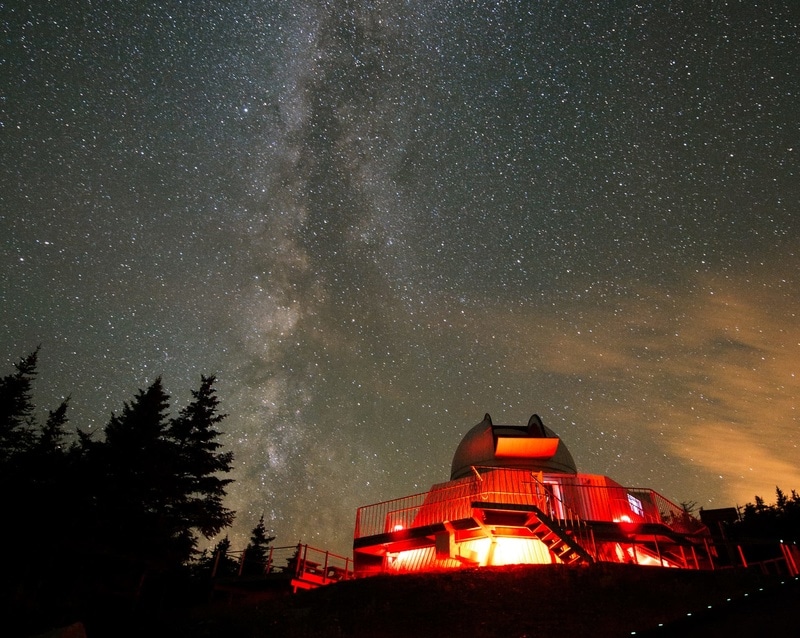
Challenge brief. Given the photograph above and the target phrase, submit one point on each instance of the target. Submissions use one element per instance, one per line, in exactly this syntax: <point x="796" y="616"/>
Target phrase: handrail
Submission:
<point x="298" y="561"/>
<point x="575" y="506"/>
<point x="569" y="520"/>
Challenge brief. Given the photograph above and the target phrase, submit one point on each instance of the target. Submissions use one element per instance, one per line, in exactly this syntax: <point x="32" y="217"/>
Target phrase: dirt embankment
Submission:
<point x="514" y="602"/>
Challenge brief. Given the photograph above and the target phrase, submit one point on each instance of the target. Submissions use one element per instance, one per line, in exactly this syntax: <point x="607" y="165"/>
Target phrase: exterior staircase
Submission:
<point x="560" y="541"/>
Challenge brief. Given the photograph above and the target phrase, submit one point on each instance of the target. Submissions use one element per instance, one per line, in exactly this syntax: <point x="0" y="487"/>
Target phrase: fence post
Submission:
<point x="708" y="553"/>
<point x="741" y="555"/>
<point x="268" y="565"/>
<point x="790" y="563"/>
<point x="305" y="557"/>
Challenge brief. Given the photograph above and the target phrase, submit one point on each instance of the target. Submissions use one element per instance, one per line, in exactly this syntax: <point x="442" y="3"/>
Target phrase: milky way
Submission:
<point x="377" y="221"/>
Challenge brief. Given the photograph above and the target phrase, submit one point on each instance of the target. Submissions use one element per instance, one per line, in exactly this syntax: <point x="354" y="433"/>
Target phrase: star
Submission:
<point x="376" y="223"/>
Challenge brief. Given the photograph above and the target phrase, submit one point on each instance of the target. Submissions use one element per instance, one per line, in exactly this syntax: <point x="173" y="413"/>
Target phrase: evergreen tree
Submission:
<point x="16" y="436"/>
<point x="48" y="474"/>
<point x="762" y="522"/>
<point x="257" y="550"/>
<point x="199" y="463"/>
<point x="52" y="438"/>
<point x="124" y="506"/>
<point x="32" y="459"/>
<point x="35" y="477"/>
<point x="218" y="563"/>
<point x="159" y="477"/>
<point x="135" y="481"/>
<point x="16" y="409"/>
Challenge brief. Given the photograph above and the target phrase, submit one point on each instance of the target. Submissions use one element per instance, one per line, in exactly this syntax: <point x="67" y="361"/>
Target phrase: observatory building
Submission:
<point x="515" y="496"/>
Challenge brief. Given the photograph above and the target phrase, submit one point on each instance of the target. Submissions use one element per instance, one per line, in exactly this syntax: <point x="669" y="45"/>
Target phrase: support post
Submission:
<point x="708" y="553"/>
<point x="790" y="562"/>
<point x="741" y="556"/>
<point x="268" y="566"/>
<point x="658" y="551"/>
<point x="694" y="556"/>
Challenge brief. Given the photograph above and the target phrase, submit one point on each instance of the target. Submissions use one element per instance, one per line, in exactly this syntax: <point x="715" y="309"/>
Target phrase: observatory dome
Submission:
<point x="533" y="446"/>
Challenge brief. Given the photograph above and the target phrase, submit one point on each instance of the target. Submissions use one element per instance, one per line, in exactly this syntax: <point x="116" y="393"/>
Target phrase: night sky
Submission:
<point x="376" y="221"/>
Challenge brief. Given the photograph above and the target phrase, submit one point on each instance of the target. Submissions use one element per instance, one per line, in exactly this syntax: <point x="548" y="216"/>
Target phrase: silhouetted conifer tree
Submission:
<point x="159" y="479"/>
<point x="199" y="464"/>
<point x="135" y="481"/>
<point x="31" y="461"/>
<point x="46" y="466"/>
<point x="257" y="551"/>
<point x="218" y="562"/>
<point x="35" y="483"/>
<point x="93" y="518"/>
<point x="51" y="439"/>
<point x="763" y="522"/>
<point x="16" y="409"/>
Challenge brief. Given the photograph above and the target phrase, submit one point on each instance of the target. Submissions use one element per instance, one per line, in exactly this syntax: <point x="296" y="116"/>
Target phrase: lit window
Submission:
<point x="636" y="505"/>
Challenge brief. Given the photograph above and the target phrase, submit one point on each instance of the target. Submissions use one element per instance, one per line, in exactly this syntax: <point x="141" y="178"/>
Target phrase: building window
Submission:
<point x="636" y="505"/>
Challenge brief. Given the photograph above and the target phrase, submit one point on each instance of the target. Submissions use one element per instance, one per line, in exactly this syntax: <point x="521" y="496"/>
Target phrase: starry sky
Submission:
<point x="376" y="221"/>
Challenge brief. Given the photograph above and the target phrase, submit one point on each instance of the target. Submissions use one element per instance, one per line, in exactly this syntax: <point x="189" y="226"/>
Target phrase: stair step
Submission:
<point x="561" y="543"/>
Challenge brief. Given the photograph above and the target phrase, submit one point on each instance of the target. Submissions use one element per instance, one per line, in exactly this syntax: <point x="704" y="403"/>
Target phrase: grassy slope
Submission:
<point x="520" y="601"/>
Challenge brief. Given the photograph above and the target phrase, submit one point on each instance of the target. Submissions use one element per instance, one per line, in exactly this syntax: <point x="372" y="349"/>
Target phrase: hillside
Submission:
<point x="519" y="601"/>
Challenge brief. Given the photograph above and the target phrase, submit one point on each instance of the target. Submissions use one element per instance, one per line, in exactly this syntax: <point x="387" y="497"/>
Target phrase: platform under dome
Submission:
<point x="515" y="497"/>
<point x="534" y="447"/>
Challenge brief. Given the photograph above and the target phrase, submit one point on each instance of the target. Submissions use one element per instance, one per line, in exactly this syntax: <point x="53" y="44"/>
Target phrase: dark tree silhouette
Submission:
<point x="198" y="466"/>
<point x="16" y="409"/>
<point x="257" y="551"/>
<point x="48" y="476"/>
<point x="134" y="479"/>
<point x="37" y="496"/>
<point x="761" y="522"/>
<point x="52" y="438"/>
<point x="160" y="480"/>
<point x="95" y="522"/>
<point x="218" y="562"/>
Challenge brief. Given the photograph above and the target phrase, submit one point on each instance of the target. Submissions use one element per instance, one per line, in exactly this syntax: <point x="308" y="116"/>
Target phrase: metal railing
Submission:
<point x="564" y="516"/>
<point x="299" y="561"/>
<point x="447" y="503"/>
<point x="567" y="499"/>
<point x="320" y="567"/>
